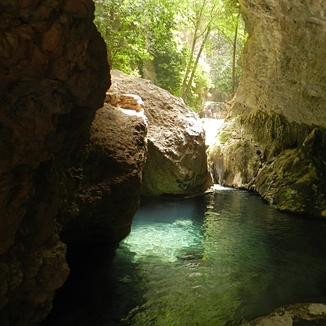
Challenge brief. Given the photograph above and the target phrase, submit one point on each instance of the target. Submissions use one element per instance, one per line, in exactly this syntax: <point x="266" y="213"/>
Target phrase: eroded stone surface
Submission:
<point x="54" y="75"/>
<point x="275" y="140"/>
<point x="110" y="177"/>
<point x="176" y="160"/>
<point x="283" y="62"/>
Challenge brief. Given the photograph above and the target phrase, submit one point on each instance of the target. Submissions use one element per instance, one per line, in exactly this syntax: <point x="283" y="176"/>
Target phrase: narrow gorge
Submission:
<point x="79" y="144"/>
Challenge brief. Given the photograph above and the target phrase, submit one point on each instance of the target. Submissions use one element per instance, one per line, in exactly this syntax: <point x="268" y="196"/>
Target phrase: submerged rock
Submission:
<point x="304" y="314"/>
<point x="176" y="161"/>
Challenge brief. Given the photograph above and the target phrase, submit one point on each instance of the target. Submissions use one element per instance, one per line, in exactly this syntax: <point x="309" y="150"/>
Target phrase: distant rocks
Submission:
<point x="214" y="110"/>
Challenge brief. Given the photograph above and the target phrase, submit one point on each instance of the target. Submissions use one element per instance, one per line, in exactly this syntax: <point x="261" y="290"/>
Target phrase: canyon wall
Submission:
<point x="283" y="62"/>
<point x="54" y="76"/>
<point x="274" y="141"/>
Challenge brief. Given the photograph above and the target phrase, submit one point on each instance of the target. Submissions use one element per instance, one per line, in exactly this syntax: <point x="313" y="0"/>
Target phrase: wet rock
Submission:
<point x="306" y="314"/>
<point x="176" y="160"/>
<point x="280" y="163"/>
<point x="233" y="160"/>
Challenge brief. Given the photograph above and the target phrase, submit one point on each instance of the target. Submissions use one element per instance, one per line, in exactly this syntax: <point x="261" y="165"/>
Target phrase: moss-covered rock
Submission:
<point x="234" y="159"/>
<point x="295" y="180"/>
<point x="283" y="161"/>
<point x="279" y="108"/>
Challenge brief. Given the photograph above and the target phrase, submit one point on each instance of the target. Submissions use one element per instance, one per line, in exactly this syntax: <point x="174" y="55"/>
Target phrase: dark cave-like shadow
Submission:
<point x="96" y="292"/>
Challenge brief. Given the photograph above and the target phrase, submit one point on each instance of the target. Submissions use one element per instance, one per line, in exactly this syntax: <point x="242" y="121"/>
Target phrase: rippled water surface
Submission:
<point x="221" y="259"/>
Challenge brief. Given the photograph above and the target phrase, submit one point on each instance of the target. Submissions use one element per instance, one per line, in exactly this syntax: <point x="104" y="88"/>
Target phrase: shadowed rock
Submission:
<point x="54" y="75"/>
<point x="305" y="314"/>
<point x="109" y="176"/>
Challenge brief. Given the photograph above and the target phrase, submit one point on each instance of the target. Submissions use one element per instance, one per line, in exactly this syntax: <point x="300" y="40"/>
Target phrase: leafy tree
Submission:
<point x="212" y="24"/>
<point x="200" y="21"/>
<point x="191" y="46"/>
<point x="122" y="25"/>
<point x="168" y="60"/>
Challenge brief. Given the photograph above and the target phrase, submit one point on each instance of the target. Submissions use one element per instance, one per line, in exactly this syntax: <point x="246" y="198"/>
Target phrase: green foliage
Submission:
<point x="199" y="88"/>
<point x="168" y="65"/>
<point x="191" y="44"/>
<point x="123" y="27"/>
<point x="168" y="60"/>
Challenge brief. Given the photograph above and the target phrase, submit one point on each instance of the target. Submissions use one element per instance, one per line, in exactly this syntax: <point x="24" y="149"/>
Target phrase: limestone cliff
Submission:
<point x="54" y="75"/>
<point x="275" y="142"/>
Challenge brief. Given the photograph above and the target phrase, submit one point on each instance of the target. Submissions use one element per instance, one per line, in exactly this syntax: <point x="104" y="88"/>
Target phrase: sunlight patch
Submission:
<point x="162" y="240"/>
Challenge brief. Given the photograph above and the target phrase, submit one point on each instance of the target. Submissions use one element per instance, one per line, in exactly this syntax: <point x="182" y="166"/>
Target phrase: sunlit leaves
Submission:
<point x="191" y="44"/>
<point x="123" y="27"/>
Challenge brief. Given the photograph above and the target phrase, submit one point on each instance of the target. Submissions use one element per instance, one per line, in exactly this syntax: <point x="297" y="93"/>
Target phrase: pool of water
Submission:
<point x="221" y="259"/>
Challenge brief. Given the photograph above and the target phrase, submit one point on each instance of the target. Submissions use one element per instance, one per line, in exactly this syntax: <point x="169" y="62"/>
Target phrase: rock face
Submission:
<point x="109" y="176"/>
<point x="176" y="160"/>
<point x="274" y="141"/>
<point x="54" y="75"/>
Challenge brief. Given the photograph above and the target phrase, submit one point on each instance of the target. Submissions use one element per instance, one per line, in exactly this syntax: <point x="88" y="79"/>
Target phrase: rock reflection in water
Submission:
<point x="220" y="259"/>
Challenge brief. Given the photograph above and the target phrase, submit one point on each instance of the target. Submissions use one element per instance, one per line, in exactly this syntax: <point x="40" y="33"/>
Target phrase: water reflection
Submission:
<point x="220" y="259"/>
<point x="232" y="258"/>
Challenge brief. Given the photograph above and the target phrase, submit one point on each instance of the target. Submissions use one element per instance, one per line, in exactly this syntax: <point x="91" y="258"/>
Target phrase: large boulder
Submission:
<point x="176" y="160"/>
<point x="274" y="141"/>
<point x="109" y="176"/>
<point x="54" y="75"/>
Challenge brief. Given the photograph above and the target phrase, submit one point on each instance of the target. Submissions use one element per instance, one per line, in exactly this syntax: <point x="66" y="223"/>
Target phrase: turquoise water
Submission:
<point x="220" y="259"/>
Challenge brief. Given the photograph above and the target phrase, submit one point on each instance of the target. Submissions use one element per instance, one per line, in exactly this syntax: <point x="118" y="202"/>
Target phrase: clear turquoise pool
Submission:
<point x="221" y="259"/>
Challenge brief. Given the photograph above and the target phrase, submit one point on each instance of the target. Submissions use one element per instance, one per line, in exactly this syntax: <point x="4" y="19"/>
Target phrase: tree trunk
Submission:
<point x="199" y="15"/>
<point x="188" y="85"/>
<point x="234" y="54"/>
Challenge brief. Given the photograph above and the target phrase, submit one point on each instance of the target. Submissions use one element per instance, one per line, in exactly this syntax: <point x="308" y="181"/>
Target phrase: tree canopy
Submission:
<point x="188" y="47"/>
